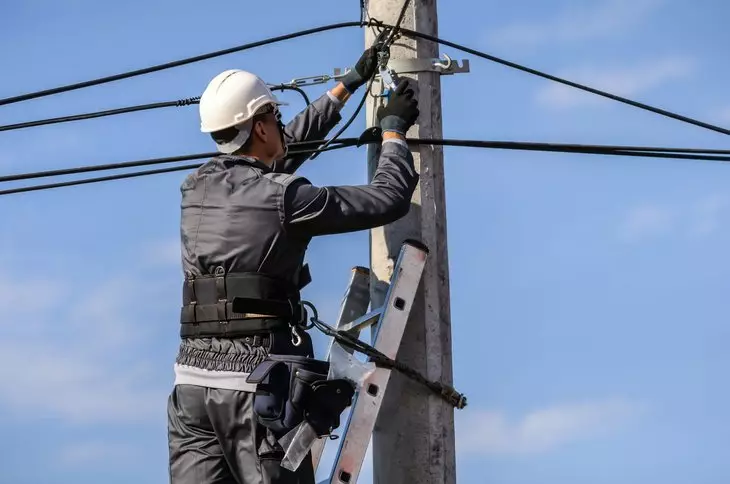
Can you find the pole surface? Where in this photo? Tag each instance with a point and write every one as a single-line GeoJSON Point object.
{"type": "Point", "coordinates": [413, 440]}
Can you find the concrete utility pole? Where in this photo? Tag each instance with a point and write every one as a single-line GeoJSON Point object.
{"type": "Point", "coordinates": [413, 439]}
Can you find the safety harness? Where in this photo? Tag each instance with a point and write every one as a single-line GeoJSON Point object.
{"type": "Point", "coordinates": [240, 303]}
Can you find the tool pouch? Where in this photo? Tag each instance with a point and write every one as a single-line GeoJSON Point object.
{"type": "Point", "coordinates": [328, 399]}
{"type": "Point", "coordinates": [290, 389]}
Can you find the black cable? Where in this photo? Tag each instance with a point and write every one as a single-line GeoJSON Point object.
{"type": "Point", "coordinates": [346, 125]}
{"type": "Point", "coordinates": [396, 30]}
{"type": "Point", "coordinates": [95, 180]}
{"type": "Point", "coordinates": [131, 109]}
{"type": "Point", "coordinates": [447, 392]}
{"type": "Point", "coordinates": [583, 149]}
{"type": "Point", "coordinates": [111, 166]}
{"type": "Point", "coordinates": [122, 176]}
{"type": "Point", "coordinates": [303, 147]}
{"type": "Point", "coordinates": [289, 87]}
{"type": "Point", "coordinates": [371, 22]}
{"type": "Point", "coordinates": [576, 85]}
{"type": "Point", "coordinates": [99, 114]}
{"type": "Point", "coordinates": [153, 161]}
{"type": "Point", "coordinates": [169, 65]}
{"type": "Point", "coordinates": [385, 45]}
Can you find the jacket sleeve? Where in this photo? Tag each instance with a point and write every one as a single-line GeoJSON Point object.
{"type": "Point", "coordinates": [310, 210]}
{"type": "Point", "coordinates": [314, 123]}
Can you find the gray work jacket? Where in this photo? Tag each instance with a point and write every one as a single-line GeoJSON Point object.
{"type": "Point", "coordinates": [248, 217]}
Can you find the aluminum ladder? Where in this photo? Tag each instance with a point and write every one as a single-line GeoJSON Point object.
{"type": "Point", "coordinates": [388, 323]}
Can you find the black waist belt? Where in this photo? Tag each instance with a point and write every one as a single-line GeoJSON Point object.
{"type": "Point", "coordinates": [238, 304]}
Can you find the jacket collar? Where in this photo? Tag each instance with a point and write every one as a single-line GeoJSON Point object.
{"type": "Point", "coordinates": [248, 160]}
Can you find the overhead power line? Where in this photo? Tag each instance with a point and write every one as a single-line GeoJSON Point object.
{"type": "Point", "coordinates": [132, 109]}
{"type": "Point", "coordinates": [296, 148]}
{"type": "Point", "coordinates": [110, 166]}
{"type": "Point", "coordinates": [100, 114]}
{"type": "Point", "coordinates": [177, 63]}
{"type": "Point", "coordinates": [566, 82]}
{"type": "Point", "coordinates": [86, 181]}
{"type": "Point", "coordinates": [386, 45]}
{"type": "Point", "coordinates": [311, 146]}
{"type": "Point", "coordinates": [122, 176]}
{"type": "Point", "coordinates": [370, 22]}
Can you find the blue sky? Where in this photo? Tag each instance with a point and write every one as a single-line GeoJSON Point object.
{"type": "Point", "coordinates": [589, 316]}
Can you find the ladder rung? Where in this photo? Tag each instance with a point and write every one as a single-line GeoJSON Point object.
{"type": "Point", "coordinates": [363, 322]}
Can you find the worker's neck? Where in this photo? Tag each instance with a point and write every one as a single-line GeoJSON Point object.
{"type": "Point", "coordinates": [263, 158]}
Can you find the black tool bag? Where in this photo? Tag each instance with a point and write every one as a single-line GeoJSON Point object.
{"type": "Point", "coordinates": [293, 388]}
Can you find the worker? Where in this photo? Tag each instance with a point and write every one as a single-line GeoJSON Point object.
{"type": "Point", "coordinates": [246, 222]}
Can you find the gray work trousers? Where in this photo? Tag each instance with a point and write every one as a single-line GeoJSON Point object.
{"type": "Point", "coordinates": [214, 439]}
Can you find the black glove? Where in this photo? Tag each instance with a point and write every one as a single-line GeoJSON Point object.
{"type": "Point", "coordinates": [363, 71]}
{"type": "Point", "coordinates": [402, 109]}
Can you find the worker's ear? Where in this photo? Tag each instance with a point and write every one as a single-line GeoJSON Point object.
{"type": "Point", "coordinates": [259, 129]}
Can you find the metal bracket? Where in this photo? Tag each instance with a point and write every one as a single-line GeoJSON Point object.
{"type": "Point", "coordinates": [445, 66]}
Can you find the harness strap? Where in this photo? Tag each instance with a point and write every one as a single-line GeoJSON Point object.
{"type": "Point", "coordinates": [240, 303]}
{"type": "Point", "coordinates": [220, 287]}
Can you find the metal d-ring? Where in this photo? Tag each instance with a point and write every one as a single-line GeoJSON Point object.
{"type": "Point", "coordinates": [446, 66]}
{"type": "Point", "coordinates": [315, 314]}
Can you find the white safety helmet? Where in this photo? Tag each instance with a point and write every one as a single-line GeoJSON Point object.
{"type": "Point", "coordinates": [231, 99]}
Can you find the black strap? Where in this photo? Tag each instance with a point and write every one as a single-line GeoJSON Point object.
{"type": "Point", "coordinates": [287, 309]}
{"type": "Point", "coordinates": [255, 302]}
{"type": "Point", "coordinates": [220, 288]}
{"type": "Point", "coordinates": [305, 276]}
{"type": "Point", "coordinates": [188, 311]}
{"type": "Point", "coordinates": [219, 291]}
{"type": "Point", "coordinates": [232, 329]}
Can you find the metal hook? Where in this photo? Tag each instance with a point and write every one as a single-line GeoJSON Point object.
{"type": "Point", "coordinates": [296, 340]}
{"type": "Point", "coordinates": [446, 66]}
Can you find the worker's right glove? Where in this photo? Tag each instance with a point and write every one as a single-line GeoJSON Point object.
{"type": "Point", "coordinates": [402, 109]}
{"type": "Point", "coordinates": [363, 71]}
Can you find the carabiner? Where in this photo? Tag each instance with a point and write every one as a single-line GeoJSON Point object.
{"type": "Point", "coordinates": [296, 339]}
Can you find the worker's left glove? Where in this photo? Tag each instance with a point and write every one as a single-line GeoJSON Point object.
{"type": "Point", "coordinates": [363, 71]}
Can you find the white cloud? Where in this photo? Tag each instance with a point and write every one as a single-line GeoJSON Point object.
{"type": "Point", "coordinates": [77, 358]}
{"type": "Point", "coordinates": [543, 430]}
{"type": "Point", "coordinates": [697, 220]}
{"type": "Point", "coordinates": [76, 387]}
{"type": "Point", "coordinates": [707, 215]}
{"type": "Point", "coordinates": [87, 453]}
{"type": "Point", "coordinates": [646, 221]}
{"type": "Point", "coordinates": [623, 81]}
{"type": "Point", "coordinates": [28, 296]}
{"type": "Point", "coordinates": [164, 252]}
{"type": "Point", "coordinates": [724, 115]}
{"type": "Point", "coordinates": [580, 23]}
